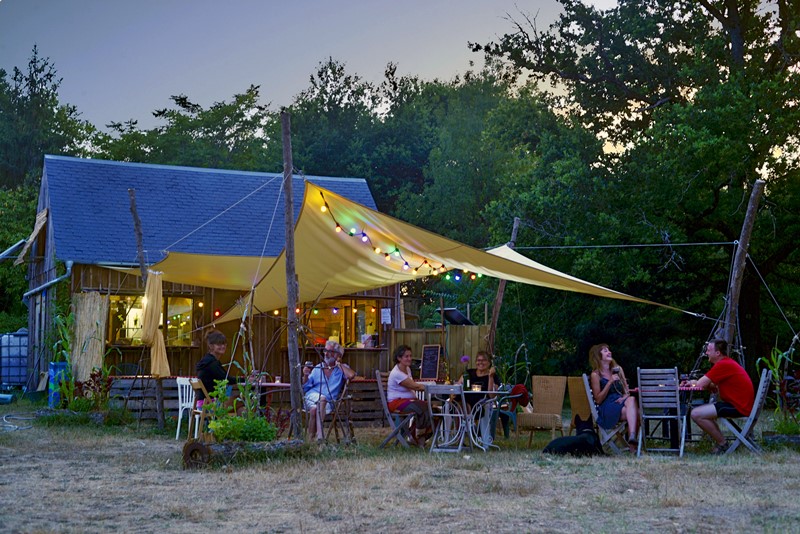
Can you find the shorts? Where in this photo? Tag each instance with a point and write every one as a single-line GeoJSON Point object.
{"type": "Point", "coordinates": [726, 409]}
{"type": "Point", "coordinates": [311, 399]}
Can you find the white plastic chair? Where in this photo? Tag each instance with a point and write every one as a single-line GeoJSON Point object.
{"type": "Point", "coordinates": [186, 401]}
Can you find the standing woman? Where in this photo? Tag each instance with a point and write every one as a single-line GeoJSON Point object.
{"type": "Point", "coordinates": [610, 390]}
{"type": "Point", "coordinates": [402, 399]}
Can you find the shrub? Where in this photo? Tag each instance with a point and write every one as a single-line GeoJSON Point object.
{"type": "Point", "coordinates": [237, 428]}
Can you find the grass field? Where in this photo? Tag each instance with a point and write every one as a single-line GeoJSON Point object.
{"type": "Point", "coordinates": [92, 479]}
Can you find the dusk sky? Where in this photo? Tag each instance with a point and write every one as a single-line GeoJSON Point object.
{"type": "Point", "coordinates": [122, 59]}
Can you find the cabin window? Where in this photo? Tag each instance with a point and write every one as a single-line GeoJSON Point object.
{"type": "Point", "coordinates": [125, 321]}
{"type": "Point", "coordinates": [351, 322]}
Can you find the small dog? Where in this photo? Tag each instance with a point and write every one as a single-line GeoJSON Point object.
{"type": "Point", "coordinates": [585, 442]}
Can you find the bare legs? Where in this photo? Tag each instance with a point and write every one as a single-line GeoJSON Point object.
{"type": "Point", "coordinates": [315, 416]}
{"type": "Point", "coordinates": [705, 417]}
{"type": "Point", "coordinates": [630, 413]}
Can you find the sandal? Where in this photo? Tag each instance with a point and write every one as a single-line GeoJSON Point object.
{"type": "Point", "coordinates": [720, 449]}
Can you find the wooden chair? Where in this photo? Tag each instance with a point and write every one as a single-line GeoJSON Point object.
{"type": "Point", "coordinates": [340, 417]}
{"type": "Point", "coordinates": [548, 401]}
{"type": "Point", "coordinates": [744, 435]}
{"type": "Point", "coordinates": [197, 419]}
{"type": "Point", "coordinates": [607, 437]}
{"type": "Point", "coordinates": [451, 419]}
{"type": "Point", "coordinates": [578, 402]}
{"type": "Point", "coordinates": [399, 423]}
{"type": "Point", "coordinates": [660, 401]}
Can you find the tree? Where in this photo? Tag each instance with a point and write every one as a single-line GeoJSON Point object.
{"type": "Point", "coordinates": [18, 212]}
{"type": "Point", "coordinates": [227, 135]}
{"type": "Point", "coordinates": [461, 174]}
{"type": "Point", "coordinates": [333, 122]}
{"type": "Point", "coordinates": [33, 122]}
{"type": "Point", "coordinates": [701, 98]}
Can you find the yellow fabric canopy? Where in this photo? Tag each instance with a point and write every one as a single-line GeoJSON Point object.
{"type": "Point", "coordinates": [331, 263]}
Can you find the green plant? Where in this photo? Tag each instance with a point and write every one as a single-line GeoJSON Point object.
{"type": "Point", "coordinates": [67, 387]}
{"type": "Point", "coordinates": [80, 404]}
{"type": "Point", "coordinates": [62, 347]}
{"type": "Point", "coordinates": [241, 428]}
{"type": "Point", "coordinates": [778, 362]}
{"type": "Point", "coordinates": [512, 370]}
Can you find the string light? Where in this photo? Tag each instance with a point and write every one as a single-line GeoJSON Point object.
{"type": "Point", "coordinates": [393, 251]}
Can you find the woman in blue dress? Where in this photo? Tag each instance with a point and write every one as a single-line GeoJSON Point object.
{"type": "Point", "coordinates": [610, 390]}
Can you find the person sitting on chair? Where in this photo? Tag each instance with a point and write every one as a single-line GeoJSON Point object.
{"type": "Point", "coordinates": [401, 398]}
{"type": "Point", "coordinates": [209, 369]}
{"type": "Point", "coordinates": [735, 389]}
{"type": "Point", "coordinates": [324, 386]}
{"type": "Point", "coordinates": [610, 391]}
{"type": "Point", "coordinates": [483, 375]}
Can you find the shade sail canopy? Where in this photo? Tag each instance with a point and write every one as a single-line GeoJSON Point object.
{"type": "Point", "coordinates": [330, 263]}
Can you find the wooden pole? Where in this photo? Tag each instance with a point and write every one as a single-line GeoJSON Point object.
{"type": "Point", "coordinates": [291, 279]}
{"type": "Point", "coordinates": [137, 229]}
{"type": "Point", "coordinates": [739, 264]}
{"type": "Point", "coordinates": [498, 300]}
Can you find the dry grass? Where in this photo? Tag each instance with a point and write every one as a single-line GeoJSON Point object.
{"type": "Point", "coordinates": [90, 479]}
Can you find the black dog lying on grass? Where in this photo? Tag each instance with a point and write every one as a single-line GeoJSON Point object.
{"type": "Point", "coordinates": [585, 442]}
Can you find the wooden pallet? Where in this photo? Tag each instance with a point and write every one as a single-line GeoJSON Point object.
{"type": "Point", "coordinates": [140, 393]}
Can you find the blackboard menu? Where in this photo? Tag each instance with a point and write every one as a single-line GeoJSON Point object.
{"type": "Point", "coordinates": [430, 362]}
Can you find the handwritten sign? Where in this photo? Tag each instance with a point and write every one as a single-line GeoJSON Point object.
{"type": "Point", "coordinates": [430, 362]}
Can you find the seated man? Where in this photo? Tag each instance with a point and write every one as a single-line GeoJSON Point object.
{"type": "Point", "coordinates": [324, 386]}
{"type": "Point", "coordinates": [735, 391]}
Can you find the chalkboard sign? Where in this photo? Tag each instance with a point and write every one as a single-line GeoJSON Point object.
{"type": "Point", "coordinates": [430, 362]}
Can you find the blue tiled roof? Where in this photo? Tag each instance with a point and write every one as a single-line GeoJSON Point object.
{"type": "Point", "coordinates": [182, 209]}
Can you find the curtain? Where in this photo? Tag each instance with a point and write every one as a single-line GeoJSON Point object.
{"type": "Point", "coordinates": [151, 316]}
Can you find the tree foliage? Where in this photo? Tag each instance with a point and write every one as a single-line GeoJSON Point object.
{"type": "Point", "coordinates": [226, 135]}
{"type": "Point", "coordinates": [701, 97]}
{"type": "Point", "coordinates": [33, 122]}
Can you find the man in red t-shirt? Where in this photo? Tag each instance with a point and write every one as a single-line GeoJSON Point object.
{"type": "Point", "coordinates": [735, 389]}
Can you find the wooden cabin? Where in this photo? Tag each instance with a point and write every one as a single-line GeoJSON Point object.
{"type": "Point", "coordinates": [85, 241]}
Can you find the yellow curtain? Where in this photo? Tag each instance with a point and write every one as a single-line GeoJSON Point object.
{"type": "Point", "coordinates": [151, 336]}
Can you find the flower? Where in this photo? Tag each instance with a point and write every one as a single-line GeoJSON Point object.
{"type": "Point", "coordinates": [465, 360]}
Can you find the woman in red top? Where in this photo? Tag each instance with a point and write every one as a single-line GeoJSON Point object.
{"type": "Point", "coordinates": [735, 390]}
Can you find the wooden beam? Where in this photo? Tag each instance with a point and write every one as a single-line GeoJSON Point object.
{"type": "Point", "coordinates": [739, 264]}
{"type": "Point", "coordinates": [498, 300]}
{"type": "Point", "coordinates": [296, 429]}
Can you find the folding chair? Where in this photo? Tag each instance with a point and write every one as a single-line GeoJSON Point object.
{"type": "Point", "coordinates": [399, 423]}
{"type": "Point", "coordinates": [744, 434]}
{"type": "Point", "coordinates": [660, 400]}
{"type": "Point", "coordinates": [548, 402]}
{"type": "Point", "coordinates": [578, 403]}
{"type": "Point", "coordinates": [340, 417]}
{"type": "Point", "coordinates": [451, 420]}
{"type": "Point", "coordinates": [607, 437]}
